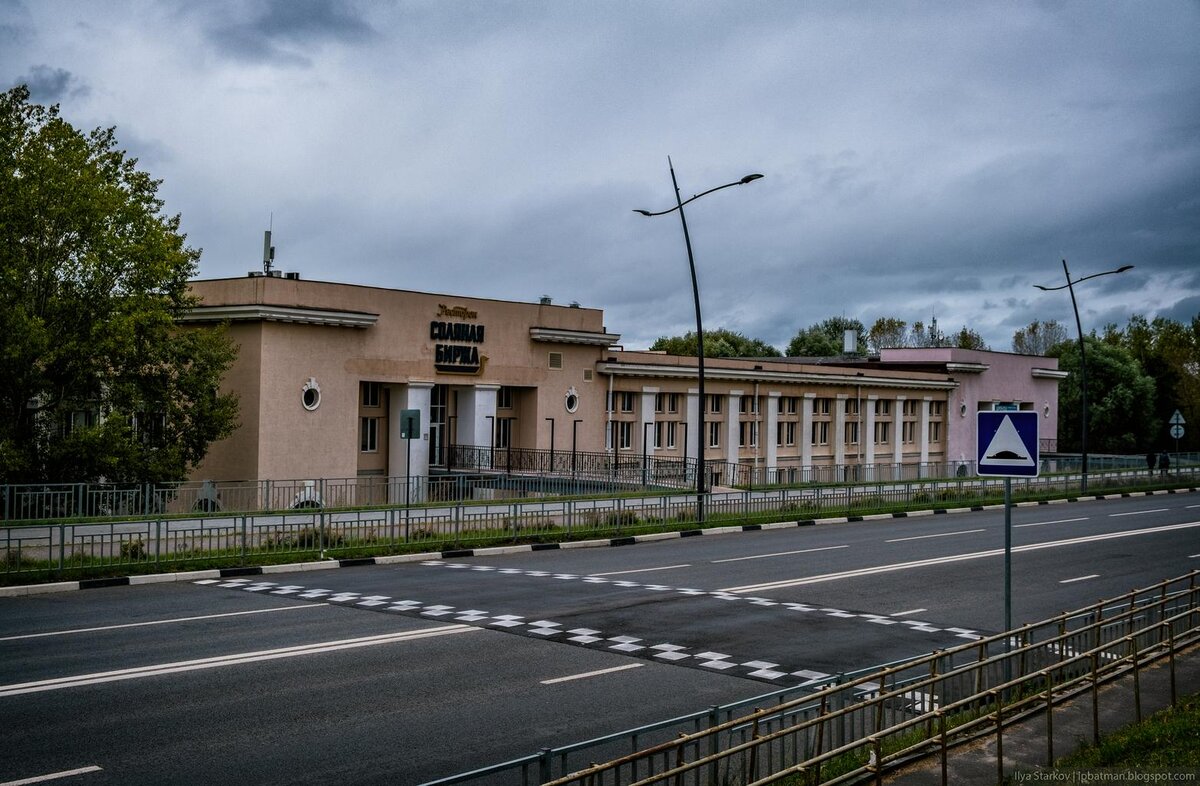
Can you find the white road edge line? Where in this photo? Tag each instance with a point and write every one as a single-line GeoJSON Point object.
{"type": "Point", "coordinates": [585, 675]}
{"type": "Point", "coordinates": [938, 535]}
{"type": "Point", "coordinates": [1043, 523]}
{"type": "Point", "coordinates": [953, 558]}
{"type": "Point", "coordinates": [53, 776]}
{"type": "Point", "coordinates": [156, 622]}
{"type": "Point", "coordinates": [779, 554]}
{"type": "Point", "coordinates": [1080, 578]}
{"type": "Point", "coordinates": [639, 570]}
{"type": "Point", "coordinates": [226, 660]}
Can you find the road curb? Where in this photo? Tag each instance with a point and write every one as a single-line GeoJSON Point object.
{"type": "Point", "coordinates": [22, 590]}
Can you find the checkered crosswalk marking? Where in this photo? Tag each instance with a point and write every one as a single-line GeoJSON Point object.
{"type": "Point", "coordinates": [876, 619]}
{"type": "Point", "coordinates": [662, 651]}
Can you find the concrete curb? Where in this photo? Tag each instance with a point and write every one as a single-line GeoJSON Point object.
{"type": "Point", "coordinates": [259, 570]}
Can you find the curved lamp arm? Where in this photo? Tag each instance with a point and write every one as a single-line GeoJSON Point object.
{"type": "Point", "coordinates": [1069, 283]}
{"type": "Point", "coordinates": [742, 182]}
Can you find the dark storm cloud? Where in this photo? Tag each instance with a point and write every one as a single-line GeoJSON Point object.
{"type": "Point", "coordinates": [48, 85]}
{"type": "Point", "coordinates": [282, 31]}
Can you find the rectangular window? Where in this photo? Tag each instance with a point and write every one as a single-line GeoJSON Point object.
{"type": "Point", "coordinates": [660, 400]}
{"type": "Point", "coordinates": [714, 404]}
{"type": "Point", "coordinates": [789, 433]}
{"type": "Point", "coordinates": [743, 428]}
{"type": "Point", "coordinates": [504, 398]}
{"type": "Point", "coordinates": [625, 434]}
{"type": "Point", "coordinates": [883, 407]}
{"type": "Point", "coordinates": [748, 405]}
{"type": "Point", "coordinates": [935, 408]}
{"type": "Point", "coordinates": [714, 433]}
{"type": "Point", "coordinates": [909, 433]}
{"type": "Point", "coordinates": [672, 403]}
{"type": "Point", "coordinates": [658, 430]}
{"type": "Point", "coordinates": [793, 404]}
{"type": "Point", "coordinates": [851, 435]}
{"type": "Point", "coordinates": [504, 432]}
{"type": "Point", "coordinates": [671, 435]}
{"type": "Point", "coordinates": [935, 431]}
{"type": "Point", "coordinates": [851, 406]}
{"type": "Point", "coordinates": [370, 394]}
{"type": "Point", "coordinates": [883, 433]}
{"type": "Point", "coordinates": [911, 407]}
{"type": "Point", "coordinates": [368, 433]}
{"type": "Point", "coordinates": [779, 434]}
{"type": "Point", "coordinates": [821, 406]}
{"type": "Point", "coordinates": [820, 433]}
{"type": "Point", "coordinates": [754, 433]}
{"type": "Point", "coordinates": [556, 360]}
{"type": "Point", "coordinates": [625, 399]}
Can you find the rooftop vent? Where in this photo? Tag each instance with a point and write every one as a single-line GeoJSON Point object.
{"type": "Point", "coordinates": [545, 300]}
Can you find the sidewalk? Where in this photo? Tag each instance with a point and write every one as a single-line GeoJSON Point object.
{"type": "Point", "coordinates": [1025, 744]}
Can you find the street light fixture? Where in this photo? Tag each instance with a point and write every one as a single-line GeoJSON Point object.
{"type": "Point", "coordinates": [1083, 417]}
{"type": "Point", "coordinates": [679, 203]}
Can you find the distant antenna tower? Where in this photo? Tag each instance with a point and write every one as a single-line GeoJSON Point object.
{"type": "Point", "coordinates": [268, 249]}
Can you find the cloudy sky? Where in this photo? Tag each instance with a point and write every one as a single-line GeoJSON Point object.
{"type": "Point", "coordinates": [920, 159]}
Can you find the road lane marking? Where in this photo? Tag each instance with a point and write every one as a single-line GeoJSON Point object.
{"type": "Point", "coordinates": [585, 675]}
{"type": "Point", "coordinates": [53, 776]}
{"type": "Point", "coordinates": [1080, 578]}
{"type": "Point", "coordinates": [906, 613]}
{"type": "Point", "coordinates": [639, 570]}
{"type": "Point", "coordinates": [1137, 512]}
{"type": "Point", "coordinates": [922, 563]}
{"type": "Point", "coordinates": [779, 554]}
{"type": "Point", "coordinates": [238, 659]}
{"type": "Point", "coordinates": [156, 622]}
{"type": "Point", "coordinates": [938, 535]}
{"type": "Point", "coordinates": [1043, 523]}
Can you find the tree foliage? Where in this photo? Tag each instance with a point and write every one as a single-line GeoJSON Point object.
{"type": "Point", "coordinates": [720, 343]}
{"type": "Point", "coordinates": [1120, 399]}
{"type": "Point", "coordinates": [96, 379]}
{"type": "Point", "coordinates": [1037, 338]}
{"type": "Point", "coordinates": [824, 339]}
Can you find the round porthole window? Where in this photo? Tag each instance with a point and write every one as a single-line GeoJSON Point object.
{"type": "Point", "coordinates": [572, 400]}
{"type": "Point", "coordinates": [310, 395]}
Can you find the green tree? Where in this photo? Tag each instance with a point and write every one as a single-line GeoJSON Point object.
{"type": "Point", "coordinates": [1121, 399]}
{"type": "Point", "coordinates": [1168, 351]}
{"type": "Point", "coordinates": [1037, 337]}
{"type": "Point", "coordinates": [887, 333]}
{"type": "Point", "coordinates": [720, 343]}
{"type": "Point", "coordinates": [96, 379]}
{"type": "Point", "coordinates": [966, 338]}
{"type": "Point", "coordinates": [824, 339]}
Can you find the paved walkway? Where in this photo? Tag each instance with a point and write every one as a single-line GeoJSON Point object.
{"type": "Point", "coordinates": [1025, 745]}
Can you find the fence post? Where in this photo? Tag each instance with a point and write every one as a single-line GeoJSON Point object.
{"type": "Point", "coordinates": [1171, 657]}
{"type": "Point", "coordinates": [1137, 683]}
{"type": "Point", "coordinates": [995, 695]}
{"type": "Point", "coordinates": [244, 523]}
{"type": "Point", "coordinates": [945, 753]}
{"type": "Point", "coordinates": [544, 762]}
{"type": "Point", "coordinates": [1049, 719]}
{"type": "Point", "coordinates": [157, 540]}
{"type": "Point", "coordinates": [62, 545]}
{"type": "Point", "coordinates": [1095, 698]}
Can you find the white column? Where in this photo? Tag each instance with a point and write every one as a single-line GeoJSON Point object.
{"type": "Point", "coordinates": [733, 417]}
{"type": "Point", "coordinates": [924, 435]}
{"type": "Point", "coordinates": [869, 438]}
{"type": "Point", "coordinates": [806, 422]}
{"type": "Point", "coordinates": [839, 434]}
{"type": "Point", "coordinates": [772, 434]}
{"type": "Point", "coordinates": [648, 416]}
{"type": "Point", "coordinates": [898, 436]}
{"type": "Point", "coordinates": [694, 426]}
{"type": "Point", "coordinates": [405, 459]}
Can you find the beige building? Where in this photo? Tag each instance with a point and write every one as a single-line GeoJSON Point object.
{"type": "Point", "coordinates": [327, 372]}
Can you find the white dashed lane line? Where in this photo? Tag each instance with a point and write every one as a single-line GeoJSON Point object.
{"type": "Point", "coordinates": [1137, 512]}
{"type": "Point", "coordinates": [776, 554]}
{"type": "Point", "coordinates": [1080, 578]}
{"type": "Point", "coordinates": [1045, 523]}
{"type": "Point", "coordinates": [938, 535]}
{"type": "Point", "coordinates": [53, 776]}
{"type": "Point", "coordinates": [587, 674]}
{"type": "Point", "coordinates": [639, 570]}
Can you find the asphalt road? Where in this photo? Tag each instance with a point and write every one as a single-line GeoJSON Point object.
{"type": "Point", "coordinates": [404, 673]}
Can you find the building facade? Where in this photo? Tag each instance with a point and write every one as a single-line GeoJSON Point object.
{"type": "Point", "coordinates": [332, 376]}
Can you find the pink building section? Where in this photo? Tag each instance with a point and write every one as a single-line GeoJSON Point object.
{"type": "Point", "coordinates": [986, 381]}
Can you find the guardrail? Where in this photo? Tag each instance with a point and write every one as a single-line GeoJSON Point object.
{"type": "Point", "coordinates": [858, 726]}
{"type": "Point", "coordinates": [489, 474]}
{"type": "Point", "coordinates": [54, 548]}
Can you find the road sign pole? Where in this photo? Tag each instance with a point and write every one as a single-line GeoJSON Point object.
{"type": "Point", "coordinates": [1007, 578]}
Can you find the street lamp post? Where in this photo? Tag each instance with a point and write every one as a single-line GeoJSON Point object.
{"type": "Point", "coordinates": [687, 241]}
{"type": "Point", "coordinates": [1083, 415]}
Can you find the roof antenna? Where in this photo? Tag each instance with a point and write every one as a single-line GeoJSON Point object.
{"type": "Point", "coordinates": [268, 249]}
